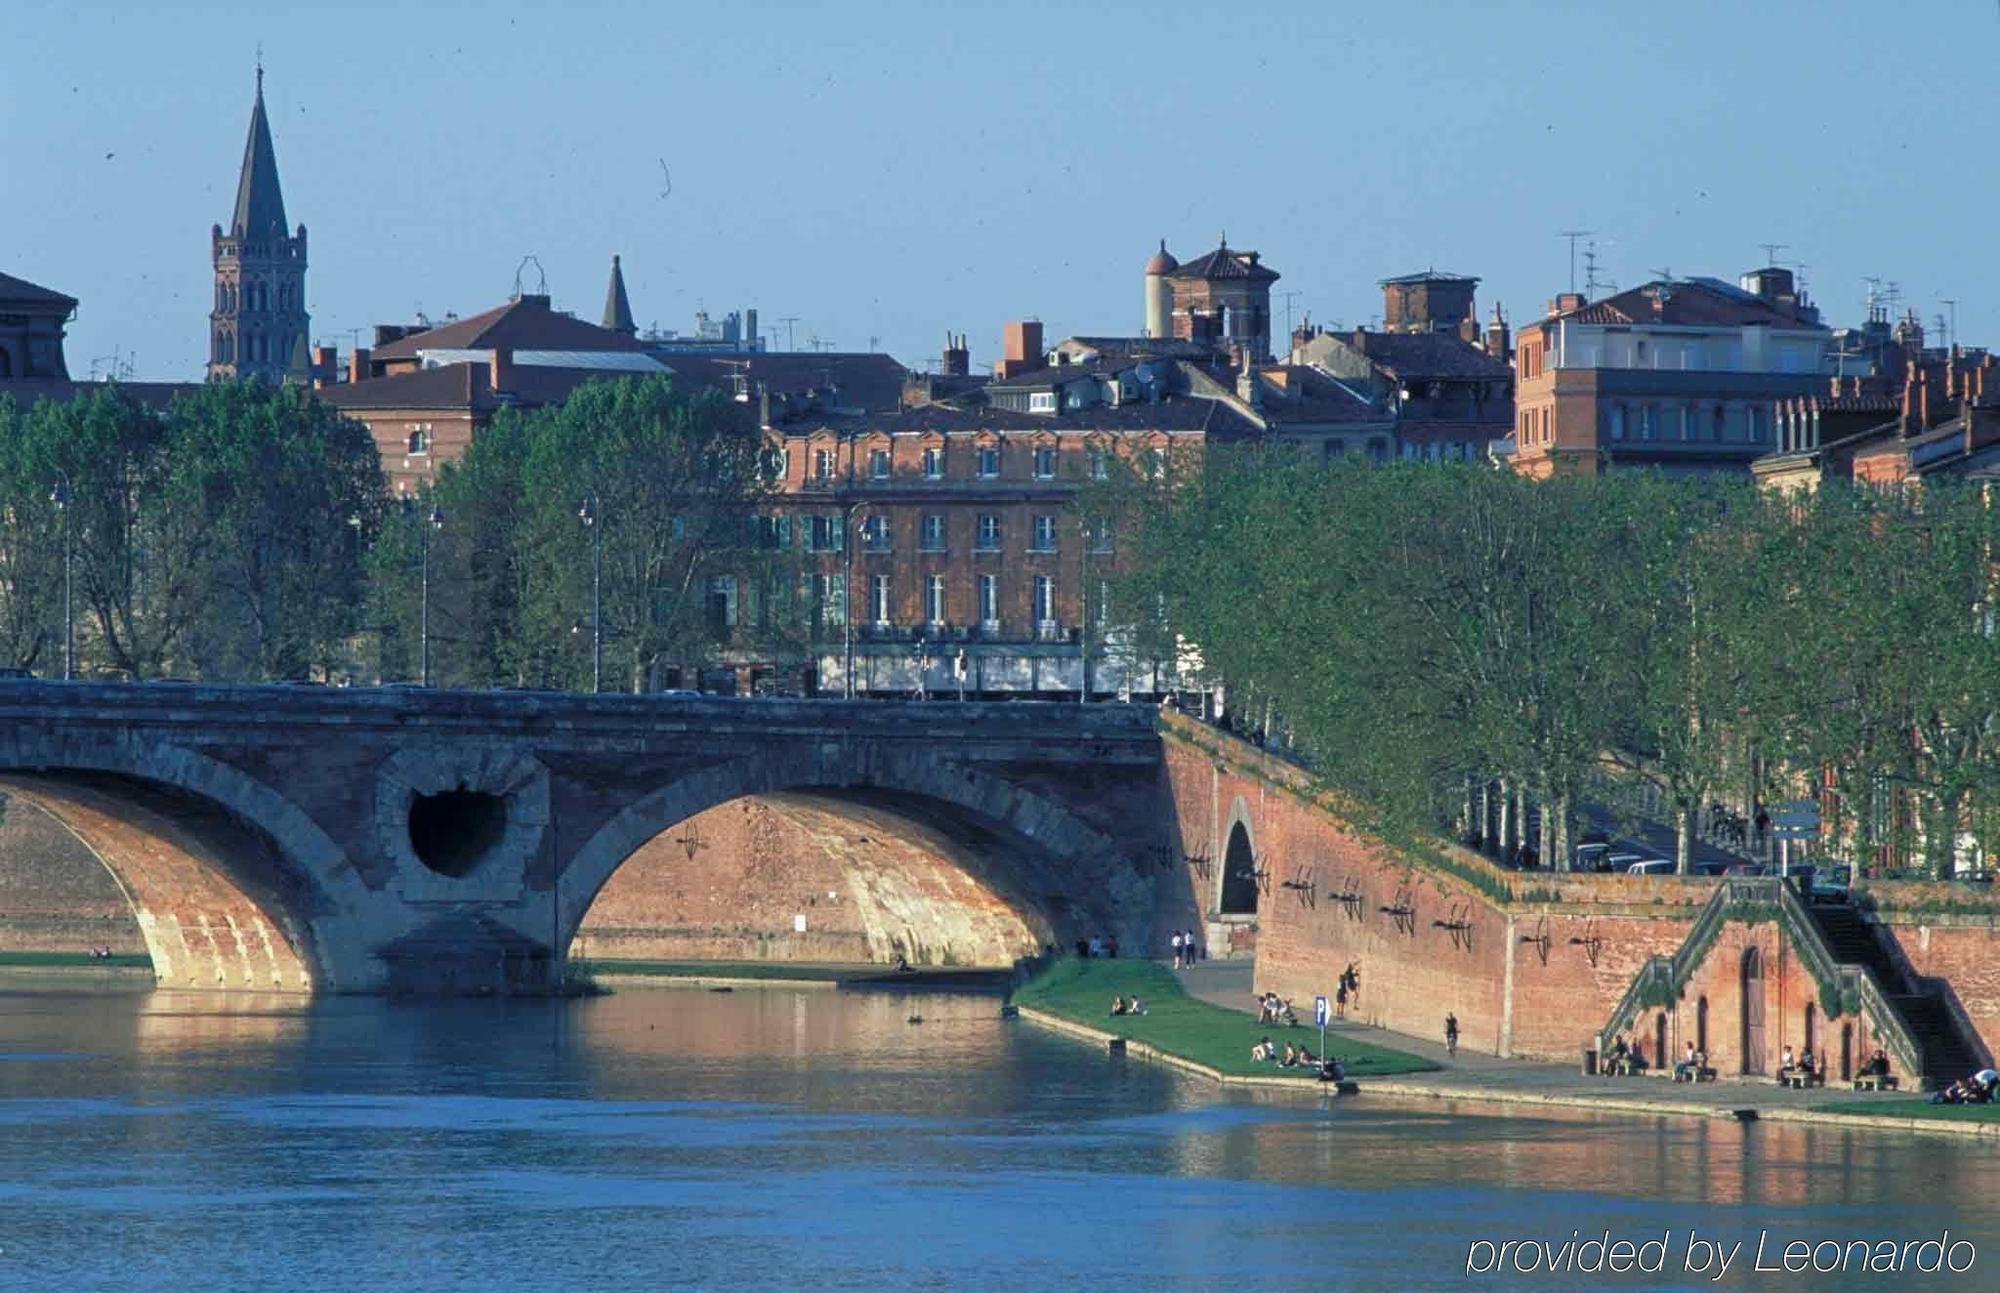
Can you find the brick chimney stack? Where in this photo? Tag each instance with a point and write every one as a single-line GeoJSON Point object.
{"type": "Point", "coordinates": [957, 356]}
{"type": "Point", "coordinates": [357, 364]}
{"type": "Point", "coordinates": [1020, 348]}
{"type": "Point", "coordinates": [500, 370]}
{"type": "Point", "coordinates": [325, 367]}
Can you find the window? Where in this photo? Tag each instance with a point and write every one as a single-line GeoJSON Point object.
{"type": "Point", "coordinates": [878, 464]}
{"type": "Point", "coordinates": [1100, 610]}
{"type": "Point", "coordinates": [1100, 535]}
{"type": "Point", "coordinates": [875, 534]}
{"type": "Point", "coordinates": [1045, 535]}
{"type": "Point", "coordinates": [721, 602]}
{"type": "Point", "coordinates": [878, 598]}
{"type": "Point", "coordinates": [833, 599]}
{"type": "Point", "coordinates": [989, 535]}
{"type": "Point", "coordinates": [825, 533]}
{"type": "Point", "coordinates": [931, 538]}
{"type": "Point", "coordinates": [1045, 604]}
{"type": "Point", "coordinates": [989, 602]}
{"type": "Point", "coordinates": [934, 599]}
{"type": "Point", "coordinates": [1045, 462]}
{"type": "Point", "coordinates": [1042, 402]}
{"type": "Point", "coordinates": [420, 439]}
{"type": "Point", "coordinates": [989, 461]}
{"type": "Point", "coordinates": [1100, 464]}
{"type": "Point", "coordinates": [1617, 421]}
{"type": "Point", "coordinates": [934, 463]}
{"type": "Point", "coordinates": [822, 464]}
{"type": "Point", "coordinates": [1155, 463]}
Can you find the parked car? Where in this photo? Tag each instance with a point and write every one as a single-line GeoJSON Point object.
{"type": "Point", "coordinates": [1622, 862]}
{"type": "Point", "coordinates": [1591, 857]}
{"type": "Point", "coordinates": [1651, 866]}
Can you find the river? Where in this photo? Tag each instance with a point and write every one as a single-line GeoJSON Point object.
{"type": "Point", "coordinates": [787, 1138]}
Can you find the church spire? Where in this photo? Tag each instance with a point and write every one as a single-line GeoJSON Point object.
{"type": "Point", "coordinates": [260, 204]}
{"type": "Point", "coordinates": [617, 309]}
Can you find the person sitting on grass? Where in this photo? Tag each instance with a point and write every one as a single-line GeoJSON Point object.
{"type": "Point", "coordinates": [1118, 1005]}
{"type": "Point", "coordinates": [1135, 1006]}
{"type": "Point", "coordinates": [1262, 1051]}
{"type": "Point", "coordinates": [1291, 1059]}
{"type": "Point", "coordinates": [1307, 1059]}
{"type": "Point", "coordinates": [1333, 1069]}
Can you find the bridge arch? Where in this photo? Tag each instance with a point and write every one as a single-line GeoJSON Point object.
{"type": "Point", "coordinates": [231, 885]}
{"type": "Point", "coordinates": [1062, 876]}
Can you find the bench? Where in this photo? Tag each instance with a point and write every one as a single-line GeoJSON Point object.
{"type": "Point", "coordinates": [1875, 1082]}
{"type": "Point", "coordinates": [1799, 1079]}
{"type": "Point", "coordinates": [1697, 1074]}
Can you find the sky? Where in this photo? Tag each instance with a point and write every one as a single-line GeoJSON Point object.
{"type": "Point", "coordinates": [887, 173]}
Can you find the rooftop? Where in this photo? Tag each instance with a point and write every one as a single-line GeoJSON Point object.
{"type": "Point", "coordinates": [1690, 302]}
{"type": "Point", "coordinates": [524, 323]}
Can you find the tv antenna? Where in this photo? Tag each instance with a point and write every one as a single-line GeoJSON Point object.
{"type": "Point", "coordinates": [1771, 250]}
{"type": "Point", "coordinates": [1591, 282]}
{"type": "Point", "coordinates": [541, 277]}
{"type": "Point", "coordinates": [789, 320]}
{"type": "Point", "coordinates": [1663, 274]}
{"type": "Point", "coordinates": [1289, 297]}
{"type": "Point", "coordinates": [1573, 235]}
{"type": "Point", "coordinates": [1951, 320]}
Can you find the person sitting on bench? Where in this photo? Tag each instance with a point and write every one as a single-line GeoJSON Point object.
{"type": "Point", "coordinates": [1689, 1069]}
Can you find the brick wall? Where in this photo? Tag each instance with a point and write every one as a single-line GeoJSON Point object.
{"type": "Point", "coordinates": [868, 888]}
{"type": "Point", "coordinates": [54, 895]}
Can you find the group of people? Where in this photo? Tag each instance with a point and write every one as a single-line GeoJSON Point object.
{"type": "Point", "coordinates": [1120, 1006]}
{"type": "Point", "coordinates": [1187, 949]}
{"type": "Point", "coordinates": [1627, 1057]}
{"type": "Point", "coordinates": [1977, 1089]}
{"type": "Point", "coordinates": [1331, 1068]}
{"type": "Point", "coordinates": [1805, 1066]}
{"type": "Point", "coordinates": [1096, 946]}
{"type": "Point", "coordinates": [1349, 989]}
{"type": "Point", "coordinates": [1691, 1065]}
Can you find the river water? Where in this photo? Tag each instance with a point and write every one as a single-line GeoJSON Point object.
{"type": "Point", "coordinates": [786, 1138]}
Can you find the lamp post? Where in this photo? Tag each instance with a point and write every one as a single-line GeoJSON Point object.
{"type": "Point", "coordinates": [924, 660]}
{"type": "Point", "coordinates": [435, 521]}
{"type": "Point", "coordinates": [847, 602]}
{"type": "Point", "coordinates": [1085, 538]}
{"type": "Point", "coordinates": [587, 513]}
{"type": "Point", "coordinates": [60, 496]}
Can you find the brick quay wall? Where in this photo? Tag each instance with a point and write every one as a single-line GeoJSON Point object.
{"type": "Point", "coordinates": [1532, 964]}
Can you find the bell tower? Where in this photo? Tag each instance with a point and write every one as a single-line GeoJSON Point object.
{"type": "Point", "coordinates": [259, 324]}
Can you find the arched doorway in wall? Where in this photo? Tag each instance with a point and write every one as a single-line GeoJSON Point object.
{"type": "Point", "coordinates": [1701, 1026]}
{"type": "Point", "coordinates": [1812, 1029]}
{"type": "Point", "coordinates": [1660, 1040]}
{"type": "Point", "coordinates": [1847, 1052]}
{"type": "Point", "coordinates": [1753, 1010]}
{"type": "Point", "coordinates": [1239, 874]}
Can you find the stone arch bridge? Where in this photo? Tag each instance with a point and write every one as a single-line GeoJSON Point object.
{"type": "Point", "coordinates": [306, 839]}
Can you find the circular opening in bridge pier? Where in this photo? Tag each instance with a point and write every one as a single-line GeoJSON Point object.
{"type": "Point", "coordinates": [452, 831]}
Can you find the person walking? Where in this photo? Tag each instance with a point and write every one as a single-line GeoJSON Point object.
{"type": "Point", "coordinates": [1451, 1035]}
{"type": "Point", "coordinates": [1177, 949]}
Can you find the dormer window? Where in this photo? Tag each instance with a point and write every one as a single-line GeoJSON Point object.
{"type": "Point", "coordinates": [1042, 402]}
{"type": "Point", "coordinates": [1045, 462]}
{"type": "Point", "coordinates": [420, 440]}
{"type": "Point", "coordinates": [878, 464]}
{"type": "Point", "coordinates": [934, 463]}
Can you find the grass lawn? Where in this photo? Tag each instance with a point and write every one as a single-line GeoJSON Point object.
{"type": "Point", "coordinates": [1916, 1107]}
{"type": "Point", "coordinates": [40, 960]}
{"type": "Point", "coordinates": [1081, 991]}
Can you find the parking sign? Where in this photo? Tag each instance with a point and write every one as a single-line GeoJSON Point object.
{"type": "Point", "coordinates": [1319, 1012]}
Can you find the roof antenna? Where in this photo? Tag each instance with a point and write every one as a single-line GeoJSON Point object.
{"type": "Point", "coordinates": [260, 69]}
{"type": "Point", "coordinates": [541, 277]}
{"type": "Point", "coordinates": [1573, 235]}
{"type": "Point", "coordinates": [1771, 250]}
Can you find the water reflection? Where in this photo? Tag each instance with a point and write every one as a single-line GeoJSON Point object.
{"type": "Point", "coordinates": [781, 1137]}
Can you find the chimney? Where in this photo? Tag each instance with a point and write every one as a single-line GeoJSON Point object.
{"type": "Point", "coordinates": [500, 372]}
{"type": "Point", "coordinates": [1021, 348]}
{"type": "Point", "coordinates": [1249, 387]}
{"type": "Point", "coordinates": [957, 359]}
{"type": "Point", "coordinates": [1567, 301]}
{"type": "Point", "coordinates": [325, 367]}
{"type": "Point", "coordinates": [357, 364]}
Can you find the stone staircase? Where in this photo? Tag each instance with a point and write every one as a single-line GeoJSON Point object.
{"type": "Point", "coordinates": [1925, 1013]}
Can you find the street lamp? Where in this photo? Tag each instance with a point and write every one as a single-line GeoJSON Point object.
{"type": "Point", "coordinates": [587, 513]}
{"type": "Point", "coordinates": [435, 521]}
{"type": "Point", "coordinates": [924, 660]}
{"type": "Point", "coordinates": [847, 601]}
{"type": "Point", "coordinates": [60, 496]}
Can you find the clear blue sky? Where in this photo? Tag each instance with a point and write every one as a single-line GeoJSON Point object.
{"type": "Point", "coordinates": [900, 170]}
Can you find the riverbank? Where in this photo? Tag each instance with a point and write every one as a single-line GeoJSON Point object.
{"type": "Point", "coordinates": [1209, 1043]}
{"type": "Point", "coordinates": [794, 974]}
{"type": "Point", "coordinates": [1184, 1030]}
{"type": "Point", "coordinates": [74, 960]}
